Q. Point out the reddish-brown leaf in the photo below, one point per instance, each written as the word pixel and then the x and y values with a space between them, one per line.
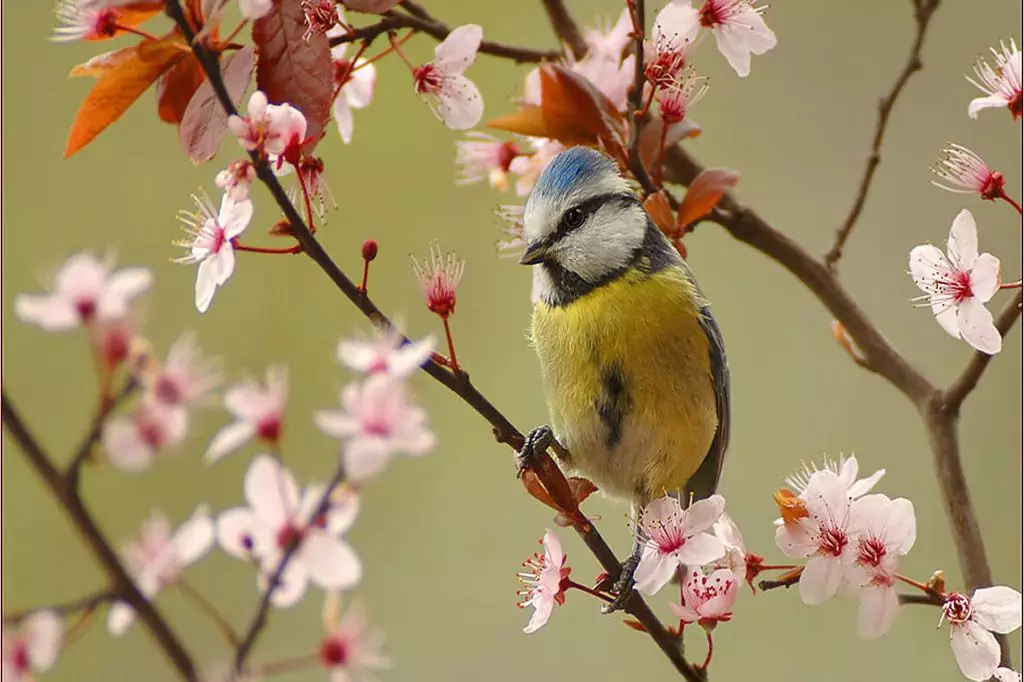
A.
pixel 660 210
pixel 704 193
pixel 291 69
pixel 204 122
pixel 175 88
pixel 582 488
pixel 537 489
pixel 123 76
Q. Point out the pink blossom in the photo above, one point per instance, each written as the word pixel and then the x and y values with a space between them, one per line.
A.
pixel 511 217
pixel 1001 84
pixel 454 98
pixel 483 156
pixel 386 353
pixel 210 243
pixel 728 533
pixel 357 82
pixel 321 17
pixel 236 179
pixel 529 166
pixel 1006 675
pixel 255 9
pixel 439 277
pixel 350 649
pixel 822 535
pixel 707 599
pixel 186 377
pixel 377 420
pixel 676 98
pixel 544 580
pixel 972 620
pixel 84 289
pixel 157 559
pixel 278 516
pixel 32 647
pixel 968 173
pixel 609 42
pixel 258 412
pixel 85 20
pixel 612 78
pixel 675 29
pixel 674 537
pixel 132 442
pixel 846 469
pixel 269 128
pixel 958 284
pixel 739 30
pixel 884 531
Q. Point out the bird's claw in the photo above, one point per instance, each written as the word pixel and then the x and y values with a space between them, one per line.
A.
pixel 623 587
pixel 536 440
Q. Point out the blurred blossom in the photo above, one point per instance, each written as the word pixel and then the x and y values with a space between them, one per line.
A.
pixel 529 166
pixel 84 289
pixel 186 377
pixel 321 17
pixel 278 517
pixel 453 98
pixel 236 179
pixel 968 173
pixel 268 128
pixel 885 530
pixel 483 156
pixel 845 468
pixel 511 216
pixel 1001 84
pixel 675 29
pixel 133 441
pixel 544 580
pixel 114 341
pixel 157 559
pixel 85 20
pixel 357 82
pixel 254 9
pixel 972 620
pixel 1006 675
pixel 674 537
pixel 350 648
pixel 728 533
pixel 958 284
pixel 707 599
pixel 385 353
pixel 210 242
pixel 611 77
pixel 32 646
pixel 609 42
pixel 739 30
pixel 258 411
pixel 439 277
pixel 377 420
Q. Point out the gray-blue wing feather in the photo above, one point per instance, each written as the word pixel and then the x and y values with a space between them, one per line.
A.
pixel 704 481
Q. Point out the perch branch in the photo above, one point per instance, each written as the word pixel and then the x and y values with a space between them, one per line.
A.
pixel 565 28
pixel 86 603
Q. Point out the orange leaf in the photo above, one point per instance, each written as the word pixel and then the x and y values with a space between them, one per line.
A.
pixel 175 88
pixel 536 489
pixel 123 76
pixel 527 121
pixel 660 210
pixel 704 193
pixel 582 488
pixel 204 122
pixel 292 69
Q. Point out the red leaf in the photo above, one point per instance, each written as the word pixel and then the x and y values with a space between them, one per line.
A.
pixel 582 488
pixel 291 69
pixel 660 210
pixel 175 88
pixel 536 489
pixel 204 121
pixel 704 193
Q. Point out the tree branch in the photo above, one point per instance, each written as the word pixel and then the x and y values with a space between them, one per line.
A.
pixel 636 102
pixel 565 27
pixel 86 603
pixel 923 11
pixel 954 396
pixel 421 21
pixel 122 585
pixel 74 468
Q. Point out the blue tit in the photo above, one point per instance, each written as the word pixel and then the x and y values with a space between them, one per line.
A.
pixel 632 362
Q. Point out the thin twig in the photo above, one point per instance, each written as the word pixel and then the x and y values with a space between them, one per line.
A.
pixel 439 31
pixel 923 11
pixel 565 28
pixel 954 396
pixel 636 101
pixel 210 611
pixel 86 603
pixel 122 585
pixel 96 431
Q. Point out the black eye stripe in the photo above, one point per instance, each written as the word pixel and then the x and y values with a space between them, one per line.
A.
pixel 588 208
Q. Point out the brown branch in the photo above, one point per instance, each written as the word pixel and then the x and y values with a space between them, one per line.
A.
pixel 636 102
pixel 954 396
pixel 923 11
pixel 96 431
pixel 86 603
pixel 931 598
pixel 121 584
pixel 565 27
pixel 423 22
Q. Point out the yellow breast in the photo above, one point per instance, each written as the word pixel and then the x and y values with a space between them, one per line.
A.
pixel 627 377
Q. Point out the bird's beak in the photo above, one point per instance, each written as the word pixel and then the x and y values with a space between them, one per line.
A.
pixel 535 253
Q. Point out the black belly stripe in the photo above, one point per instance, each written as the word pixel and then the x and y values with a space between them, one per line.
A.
pixel 613 404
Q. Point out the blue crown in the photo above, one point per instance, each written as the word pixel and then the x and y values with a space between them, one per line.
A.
pixel 573 167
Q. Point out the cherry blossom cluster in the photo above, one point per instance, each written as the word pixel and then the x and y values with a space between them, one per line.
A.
pixel 959 283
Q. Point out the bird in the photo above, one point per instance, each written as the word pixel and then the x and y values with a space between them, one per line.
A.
pixel 632 362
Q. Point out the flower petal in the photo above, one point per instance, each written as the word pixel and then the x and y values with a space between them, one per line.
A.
pixel 976 650
pixel 120 618
pixel 990 102
pixel 270 490
pixel 702 514
pixel 654 570
pixel 292 586
pixel 331 562
pixel 229 439
pixel 701 549
pixel 962 246
pixel 945 314
pixel 876 611
pixel 124 448
pixel 194 537
pixel 206 284
pixel 236 531
pixel 51 312
pixel 343 118
pixel 997 608
pixel 458 50
pixel 820 579
pixel 928 263
pixel 460 103
pixel 977 328
pixel 985 277
pixel 43 632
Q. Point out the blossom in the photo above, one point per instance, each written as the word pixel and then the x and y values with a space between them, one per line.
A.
pixel 674 537
pixel 728 533
pixel 132 442
pixel 609 42
pixel 675 29
pixel 277 517
pixel 157 559
pixel 972 620
pixel 484 156
pixel 254 9
pixel 968 173
pixel 387 353
pixel 454 98
pixel 268 128
pixel 544 580
pixel 739 31
pixel 613 78
pixel 186 377
pixel 511 217
pixel 819 530
pixel 258 412
pixel 439 278
pixel 1001 85
pixel 85 20
pixel 884 530
pixel 846 469
pixel 676 98
pixel 958 284
pixel 84 289
pixel 376 421
pixel 321 17
pixel 236 179
pixel 356 80
pixel 529 166
pixel 707 599
pixel 32 647
pixel 210 242
pixel 1006 675
pixel 350 647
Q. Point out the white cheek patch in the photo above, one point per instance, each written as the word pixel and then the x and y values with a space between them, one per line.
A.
pixel 543 285
pixel 605 243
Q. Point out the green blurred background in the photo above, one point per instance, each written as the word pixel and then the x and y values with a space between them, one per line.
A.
pixel 443 536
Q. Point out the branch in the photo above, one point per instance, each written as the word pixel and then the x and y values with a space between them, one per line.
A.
pixel 86 603
pixel 459 384
pixel 923 11
pixel 565 28
pixel 419 20
pixel 954 396
pixel 95 431
pixel 122 585
pixel 636 101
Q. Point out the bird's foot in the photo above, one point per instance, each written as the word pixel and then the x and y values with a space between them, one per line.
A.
pixel 623 587
pixel 536 440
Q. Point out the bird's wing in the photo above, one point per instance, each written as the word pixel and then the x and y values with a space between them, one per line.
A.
pixel 704 481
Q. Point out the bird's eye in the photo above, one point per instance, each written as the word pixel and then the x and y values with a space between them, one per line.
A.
pixel 573 218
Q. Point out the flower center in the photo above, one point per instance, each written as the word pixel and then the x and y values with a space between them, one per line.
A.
pixel 377 426
pixel 116 346
pixel 958 287
pixel 333 652
pixel 341 71
pixel 269 429
pixel 19 658
pixel 832 541
pixel 870 552
pixel 86 308
pixel 992 188
pixel 320 17
pixel 427 79
pixel 150 432
pixel 217 237
pixel 288 536
pixel 506 153
pixel 1016 104
pixel 168 391
pixel 661 71
pixel 715 12
pixel 441 298
pixel 105 24
pixel 957 608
